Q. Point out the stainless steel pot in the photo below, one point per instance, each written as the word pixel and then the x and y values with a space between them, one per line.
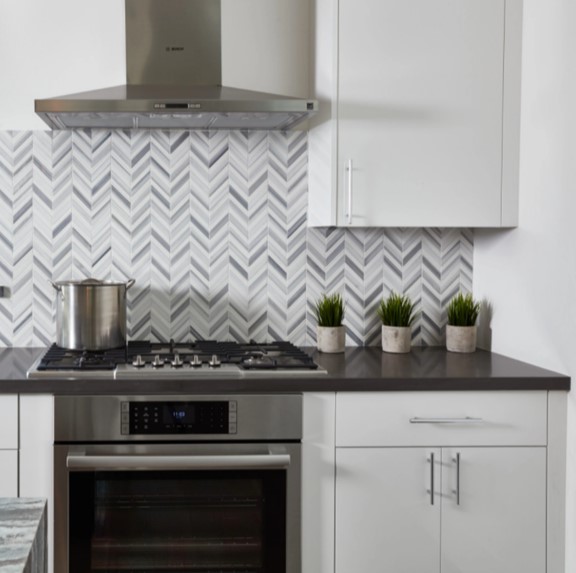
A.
pixel 91 314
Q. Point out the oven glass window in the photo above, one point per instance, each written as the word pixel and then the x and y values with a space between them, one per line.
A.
pixel 176 521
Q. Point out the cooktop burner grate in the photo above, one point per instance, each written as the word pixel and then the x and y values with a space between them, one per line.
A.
pixel 57 358
pixel 202 357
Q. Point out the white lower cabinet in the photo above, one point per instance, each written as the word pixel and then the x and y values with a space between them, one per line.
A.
pixel 499 524
pixel 389 460
pixel 318 483
pixel 388 519
pixel 384 517
pixel 8 473
pixel 37 454
pixel 456 506
pixel 9 445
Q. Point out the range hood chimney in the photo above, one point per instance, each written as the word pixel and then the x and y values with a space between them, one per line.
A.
pixel 174 79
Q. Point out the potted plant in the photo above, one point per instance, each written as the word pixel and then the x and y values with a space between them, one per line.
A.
pixel 461 329
pixel 397 315
pixel 331 335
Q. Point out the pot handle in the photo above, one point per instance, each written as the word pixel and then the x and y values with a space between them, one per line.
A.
pixel 58 288
pixel 130 283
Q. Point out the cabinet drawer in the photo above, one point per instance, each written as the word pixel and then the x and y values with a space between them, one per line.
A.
pixel 9 422
pixel 441 419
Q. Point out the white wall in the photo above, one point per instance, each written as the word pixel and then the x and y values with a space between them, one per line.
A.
pixel 529 273
pixel 54 47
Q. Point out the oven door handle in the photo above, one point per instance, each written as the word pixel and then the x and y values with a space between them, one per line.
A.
pixel 191 462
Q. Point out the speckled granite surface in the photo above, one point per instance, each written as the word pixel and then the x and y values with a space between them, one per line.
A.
pixel 23 535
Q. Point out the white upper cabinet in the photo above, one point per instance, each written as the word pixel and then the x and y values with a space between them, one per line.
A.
pixel 420 125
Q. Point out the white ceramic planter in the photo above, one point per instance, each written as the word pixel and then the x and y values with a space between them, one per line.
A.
pixel 461 338
pixel 331 339
pixel 397 339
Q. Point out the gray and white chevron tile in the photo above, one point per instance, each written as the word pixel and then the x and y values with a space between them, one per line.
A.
pixel 42 249
pixel 208 158
pixel 120 204
pixel 82 204
pixel 6 234
pixel 325 266
pixel 101 204
pixel 354 292
pixel 219 235
pixel 372 262
pixel 286 268
pixel 23 232
pixel 141 299
pixel 159 213
pixel 248 235
pixel 179 260
pixel 213 228
pixel 62 205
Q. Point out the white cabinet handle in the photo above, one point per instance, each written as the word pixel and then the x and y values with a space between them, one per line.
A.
pixel 456 460
pixel 349 202
pixel 431 491
pixel 466 420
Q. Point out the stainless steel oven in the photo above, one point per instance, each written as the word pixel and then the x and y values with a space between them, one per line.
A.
pixel 198 484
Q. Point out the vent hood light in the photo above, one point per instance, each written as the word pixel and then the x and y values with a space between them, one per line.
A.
pixel 174 80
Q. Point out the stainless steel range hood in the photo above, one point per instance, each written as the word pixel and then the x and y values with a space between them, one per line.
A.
pixel 174 77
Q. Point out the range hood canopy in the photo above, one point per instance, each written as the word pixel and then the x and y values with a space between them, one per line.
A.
pixel 174 77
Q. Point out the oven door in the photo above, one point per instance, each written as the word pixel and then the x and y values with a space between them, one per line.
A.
pixel 202 508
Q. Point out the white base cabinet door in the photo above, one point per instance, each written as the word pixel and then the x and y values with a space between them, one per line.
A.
pixel 387 518
pixel 8 473
pixel 37 456
pixel 9 446
pixel 493 510
pixel 9 422
pixel 477 510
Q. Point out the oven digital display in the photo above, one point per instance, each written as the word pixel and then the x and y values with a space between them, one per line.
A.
pixel 217 417
pixel 179 413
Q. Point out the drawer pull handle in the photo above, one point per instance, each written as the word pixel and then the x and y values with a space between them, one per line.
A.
pixel 456 460
pixel 466 420
pixel 430 460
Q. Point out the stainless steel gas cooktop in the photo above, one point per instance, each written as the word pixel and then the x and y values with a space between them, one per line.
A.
pixel 200 359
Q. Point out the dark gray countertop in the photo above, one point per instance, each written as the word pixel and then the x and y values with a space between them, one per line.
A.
pixel 23 535
pixel 359 369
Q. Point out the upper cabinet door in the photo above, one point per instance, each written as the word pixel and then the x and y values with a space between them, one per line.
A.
pixel 425 115
pixel 420 112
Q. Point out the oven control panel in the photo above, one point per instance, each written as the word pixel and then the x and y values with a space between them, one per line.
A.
pixel 179 417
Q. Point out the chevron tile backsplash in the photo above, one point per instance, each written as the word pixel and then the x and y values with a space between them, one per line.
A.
pixel 213 228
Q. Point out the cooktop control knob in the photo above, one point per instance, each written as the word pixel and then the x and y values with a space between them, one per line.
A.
pixel 157 362
pixel 214 362
pixel 177 361
pixel 138 362
pixel 196 362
